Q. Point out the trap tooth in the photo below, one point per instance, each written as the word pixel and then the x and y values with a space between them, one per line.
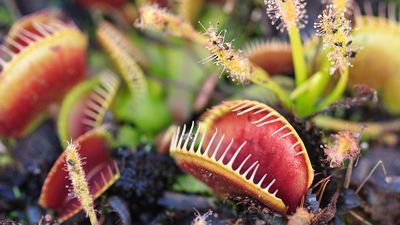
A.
pixel 84 108
pixel 100 169
pixel 41 59
pixel 247 148
pixel 274 56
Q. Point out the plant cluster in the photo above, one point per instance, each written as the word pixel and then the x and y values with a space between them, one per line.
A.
pixel 281 145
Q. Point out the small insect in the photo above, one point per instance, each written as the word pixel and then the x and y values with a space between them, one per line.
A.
pixel 225 46
pixel 70 162
pixel 338 44
pixel 353 54
pixel 334 31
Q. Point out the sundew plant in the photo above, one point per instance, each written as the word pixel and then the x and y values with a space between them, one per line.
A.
pixel 308 96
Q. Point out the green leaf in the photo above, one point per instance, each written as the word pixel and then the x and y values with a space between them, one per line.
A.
pixel 189 184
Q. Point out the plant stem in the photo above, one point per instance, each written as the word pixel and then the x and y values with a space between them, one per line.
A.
pixel 297 55
pixel 372 129
pixel 304 104
pixel 319 86
pixel 304 87
pixel 337 92
pixel 348 173
pixel 262 78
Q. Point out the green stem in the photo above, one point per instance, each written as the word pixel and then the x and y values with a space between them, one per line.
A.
pixel 305 87
pixel 307 103
pixel 337 92
pixel 262 78
pixel 372 129
pixel 298 55
pixel 317 90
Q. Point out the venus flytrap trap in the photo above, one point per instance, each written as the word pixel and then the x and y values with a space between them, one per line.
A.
pixel 278 53
pixel 85 107
pixel 39 47
pixel 82 173
pixel 246 148
pixel 137 90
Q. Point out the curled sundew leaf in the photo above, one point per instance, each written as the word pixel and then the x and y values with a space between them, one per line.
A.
pixel 110 40
pixel 42 58
pixel 273 56
pixel 246 148
pixel 101 172
pixel 84 108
